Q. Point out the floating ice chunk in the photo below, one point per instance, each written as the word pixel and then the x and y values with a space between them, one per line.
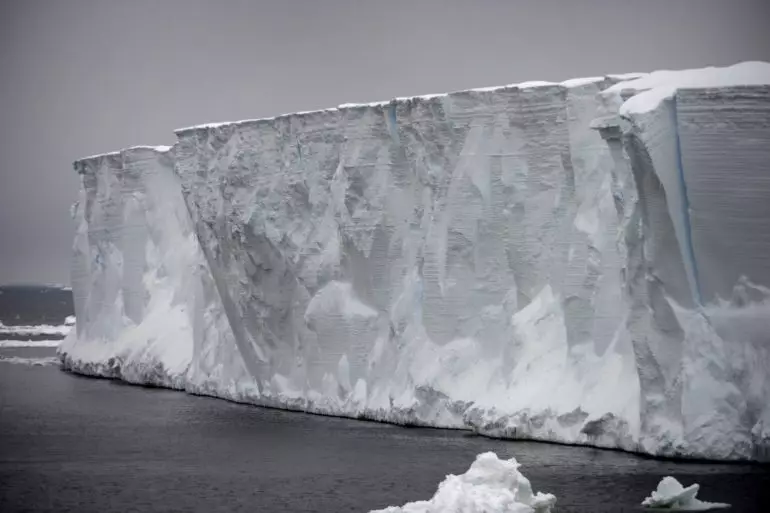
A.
pixel 671 495
pixel 491 484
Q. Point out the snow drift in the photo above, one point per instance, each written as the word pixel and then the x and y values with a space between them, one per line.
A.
pixel 582 262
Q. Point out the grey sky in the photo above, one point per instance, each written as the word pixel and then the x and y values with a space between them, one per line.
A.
pixel 89 76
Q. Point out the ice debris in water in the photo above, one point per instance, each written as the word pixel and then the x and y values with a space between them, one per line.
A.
pixel 671 495
pixel 491 484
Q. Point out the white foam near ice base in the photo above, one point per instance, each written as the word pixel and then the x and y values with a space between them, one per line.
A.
pixel 477 260
pixel 670 495
pixel 490 484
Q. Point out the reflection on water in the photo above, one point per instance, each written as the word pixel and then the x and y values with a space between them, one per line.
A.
pixel 70 443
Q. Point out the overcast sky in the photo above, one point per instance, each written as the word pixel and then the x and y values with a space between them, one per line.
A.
pixel 79 77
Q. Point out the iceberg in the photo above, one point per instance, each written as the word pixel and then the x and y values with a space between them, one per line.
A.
pixel 581 262
pixel 490 484
pixel 671 495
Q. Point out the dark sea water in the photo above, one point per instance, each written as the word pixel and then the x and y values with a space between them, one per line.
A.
pixel 76 444
pixel 34 304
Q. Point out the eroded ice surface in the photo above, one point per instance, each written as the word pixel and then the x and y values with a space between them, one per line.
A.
pixel 490 484
pixel 531 261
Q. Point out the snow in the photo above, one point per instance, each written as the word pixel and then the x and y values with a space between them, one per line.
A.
pixel 653 88
pixel 671 495
pixel 98 156
pixel 493 260
pixel 490 484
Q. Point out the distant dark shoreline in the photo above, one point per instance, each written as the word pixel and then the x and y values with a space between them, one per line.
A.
pixel 35 304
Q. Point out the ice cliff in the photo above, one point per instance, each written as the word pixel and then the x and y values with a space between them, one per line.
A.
pixel 582 262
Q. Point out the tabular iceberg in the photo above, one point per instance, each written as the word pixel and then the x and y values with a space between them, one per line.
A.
pixel 582 262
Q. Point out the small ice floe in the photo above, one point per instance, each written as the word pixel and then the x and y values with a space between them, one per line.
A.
pixel 491 484
pixel 672 496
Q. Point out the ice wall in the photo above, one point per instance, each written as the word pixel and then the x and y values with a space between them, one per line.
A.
pixel 579 262
pixel 147 309
pixel 698 144
pixel 447 260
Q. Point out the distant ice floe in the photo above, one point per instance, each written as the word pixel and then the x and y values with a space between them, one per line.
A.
pixel 671 495
pixel 34 362
pixel 39 330
pixel 490 484
pixel 29 343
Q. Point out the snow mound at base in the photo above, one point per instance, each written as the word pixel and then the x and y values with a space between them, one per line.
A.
pixel 490 484
pixel 671 495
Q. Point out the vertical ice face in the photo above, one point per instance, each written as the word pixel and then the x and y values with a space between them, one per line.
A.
pixel 724 139
pixel 92 280
pixel 577 261
pixel 149 314
pixel 700 297
pixel 391 260
pixel 725 154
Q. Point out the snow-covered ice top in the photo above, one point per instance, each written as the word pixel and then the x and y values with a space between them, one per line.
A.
pixel 649 89
pixel 531 84
pixel 490 484
pixel 97 156
pixel 652 88
pixel 671 495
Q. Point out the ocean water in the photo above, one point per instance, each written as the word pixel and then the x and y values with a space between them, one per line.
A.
pixel 70 443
